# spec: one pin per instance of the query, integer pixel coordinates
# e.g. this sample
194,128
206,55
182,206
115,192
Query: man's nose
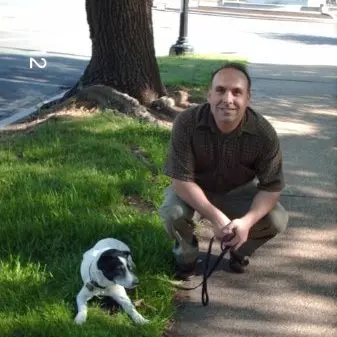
227,96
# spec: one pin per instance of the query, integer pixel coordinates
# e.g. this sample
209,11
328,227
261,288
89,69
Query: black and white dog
106,270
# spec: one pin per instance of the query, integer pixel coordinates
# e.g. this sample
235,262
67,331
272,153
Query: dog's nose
135,282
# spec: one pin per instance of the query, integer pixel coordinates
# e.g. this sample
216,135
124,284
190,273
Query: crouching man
225,163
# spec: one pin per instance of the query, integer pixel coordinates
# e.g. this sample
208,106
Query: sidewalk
290,288
268,12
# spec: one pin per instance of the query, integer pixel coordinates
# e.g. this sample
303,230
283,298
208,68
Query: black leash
207,273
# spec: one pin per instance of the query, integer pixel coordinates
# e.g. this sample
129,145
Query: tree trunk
123,54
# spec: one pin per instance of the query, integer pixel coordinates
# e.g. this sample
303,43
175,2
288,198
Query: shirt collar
205,119
249,125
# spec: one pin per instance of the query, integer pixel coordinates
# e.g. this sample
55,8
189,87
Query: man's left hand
241,230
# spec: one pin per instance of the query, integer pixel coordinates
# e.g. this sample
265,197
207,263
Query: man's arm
270,174
194,196
262,204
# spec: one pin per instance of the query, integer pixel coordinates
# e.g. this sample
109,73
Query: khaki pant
177,217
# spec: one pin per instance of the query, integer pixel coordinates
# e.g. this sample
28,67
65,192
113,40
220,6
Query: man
225,163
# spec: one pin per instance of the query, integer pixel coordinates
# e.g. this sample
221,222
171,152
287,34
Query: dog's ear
123,253
106,258
111,254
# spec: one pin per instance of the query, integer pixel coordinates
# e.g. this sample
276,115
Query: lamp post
182,46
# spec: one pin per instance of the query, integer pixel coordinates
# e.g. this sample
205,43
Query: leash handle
226,238
207,273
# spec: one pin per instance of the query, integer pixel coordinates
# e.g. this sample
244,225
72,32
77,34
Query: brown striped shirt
217,162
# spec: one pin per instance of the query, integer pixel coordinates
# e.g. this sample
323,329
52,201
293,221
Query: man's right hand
220,222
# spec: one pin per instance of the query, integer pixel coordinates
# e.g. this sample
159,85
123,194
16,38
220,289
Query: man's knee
174,208
174,211
278,219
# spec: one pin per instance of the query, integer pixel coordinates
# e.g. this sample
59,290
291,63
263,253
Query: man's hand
220,223
241,229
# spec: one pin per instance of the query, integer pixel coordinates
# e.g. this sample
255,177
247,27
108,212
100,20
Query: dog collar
91,285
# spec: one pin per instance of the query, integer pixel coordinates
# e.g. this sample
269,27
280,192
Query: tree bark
123,54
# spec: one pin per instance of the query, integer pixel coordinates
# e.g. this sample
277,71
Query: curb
272,15
280,11
25,112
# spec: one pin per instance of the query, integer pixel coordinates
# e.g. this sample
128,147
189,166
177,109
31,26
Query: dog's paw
80,318
139,319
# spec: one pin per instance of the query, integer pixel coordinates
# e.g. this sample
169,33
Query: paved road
34,29
290,288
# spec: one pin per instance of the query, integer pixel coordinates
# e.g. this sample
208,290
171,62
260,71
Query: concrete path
290,289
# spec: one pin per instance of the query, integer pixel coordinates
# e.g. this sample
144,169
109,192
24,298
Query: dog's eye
130,266
120,268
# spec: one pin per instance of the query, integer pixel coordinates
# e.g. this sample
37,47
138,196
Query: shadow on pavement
290,288
301,38
23,86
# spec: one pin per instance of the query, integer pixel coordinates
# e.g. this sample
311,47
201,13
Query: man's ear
209,95
249,96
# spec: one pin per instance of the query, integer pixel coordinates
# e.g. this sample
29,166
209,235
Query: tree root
108,98
100,97
104,97
171,106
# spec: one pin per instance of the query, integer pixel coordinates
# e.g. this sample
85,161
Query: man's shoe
185,264
238,263
184,272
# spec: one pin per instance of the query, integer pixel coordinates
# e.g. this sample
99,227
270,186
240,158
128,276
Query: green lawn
64,186
191,73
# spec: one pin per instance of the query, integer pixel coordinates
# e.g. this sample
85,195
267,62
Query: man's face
228,98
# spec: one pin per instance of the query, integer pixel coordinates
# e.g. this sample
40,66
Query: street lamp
182,46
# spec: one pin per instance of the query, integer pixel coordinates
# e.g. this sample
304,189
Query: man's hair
237,66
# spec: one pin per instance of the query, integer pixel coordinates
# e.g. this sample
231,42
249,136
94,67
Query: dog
107,270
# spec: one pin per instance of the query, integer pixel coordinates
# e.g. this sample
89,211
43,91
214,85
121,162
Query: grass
69,183
191,73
